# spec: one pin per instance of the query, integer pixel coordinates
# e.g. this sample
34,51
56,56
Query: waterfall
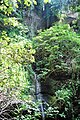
38,95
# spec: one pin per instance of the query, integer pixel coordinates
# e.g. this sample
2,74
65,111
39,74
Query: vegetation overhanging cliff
53,55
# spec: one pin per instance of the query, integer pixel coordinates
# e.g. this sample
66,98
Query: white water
39,95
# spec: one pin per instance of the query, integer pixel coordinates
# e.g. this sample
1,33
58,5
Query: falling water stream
39,95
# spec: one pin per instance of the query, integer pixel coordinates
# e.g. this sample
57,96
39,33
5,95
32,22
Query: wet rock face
53,83
36,22
71,17
49,87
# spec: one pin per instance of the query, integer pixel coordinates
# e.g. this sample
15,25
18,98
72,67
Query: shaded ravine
39,95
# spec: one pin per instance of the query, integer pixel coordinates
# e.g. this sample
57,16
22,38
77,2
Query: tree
16,49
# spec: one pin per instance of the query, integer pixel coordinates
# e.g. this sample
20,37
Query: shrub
57,50
16,53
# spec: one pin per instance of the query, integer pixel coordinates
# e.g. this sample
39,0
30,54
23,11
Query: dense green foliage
16,51
57,50
57,54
